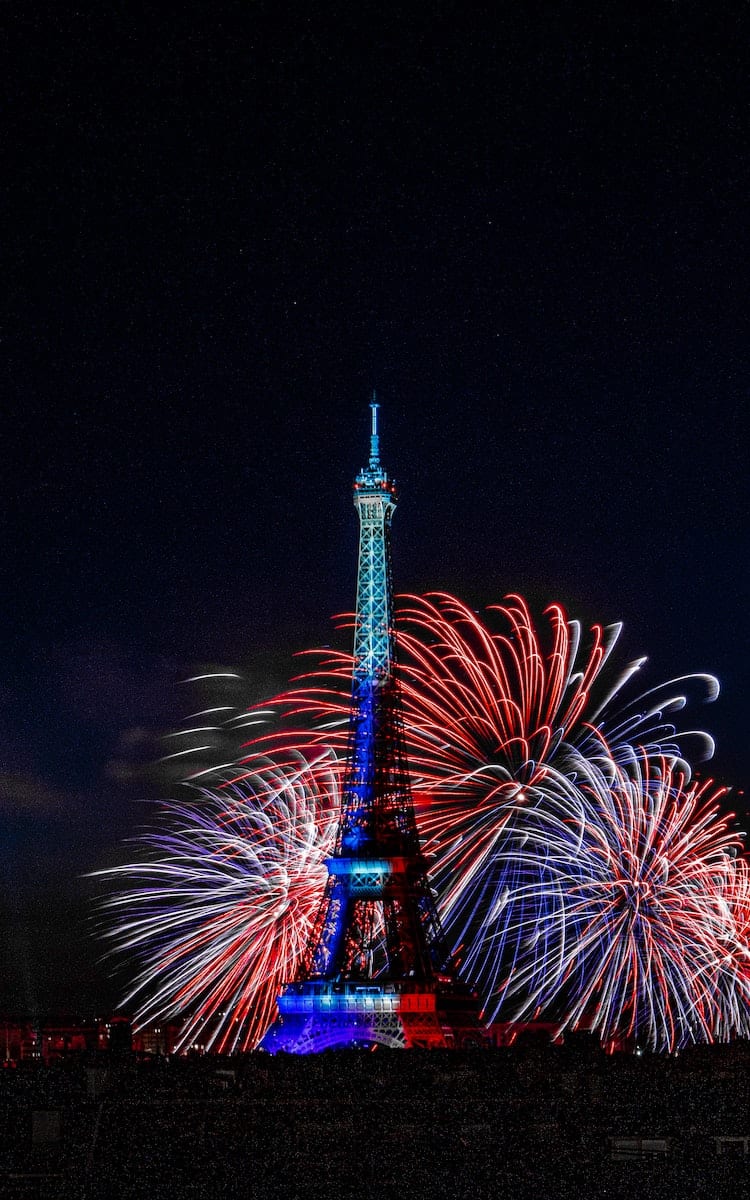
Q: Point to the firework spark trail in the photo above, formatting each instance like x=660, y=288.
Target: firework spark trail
x=735, y=957
x=223, y=906
x=641, y=942
x=481, y=704
x=651, y=896
x=511, y=699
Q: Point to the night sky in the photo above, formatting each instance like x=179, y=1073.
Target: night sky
x=222, y=226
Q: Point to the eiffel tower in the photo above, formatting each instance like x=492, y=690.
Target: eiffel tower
x=377, y=969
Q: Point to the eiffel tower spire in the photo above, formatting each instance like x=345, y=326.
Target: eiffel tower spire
x=377, y=967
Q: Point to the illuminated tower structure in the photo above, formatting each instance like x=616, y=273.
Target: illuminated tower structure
x=377, y=968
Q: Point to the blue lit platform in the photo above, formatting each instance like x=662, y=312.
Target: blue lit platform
x=322, y=1015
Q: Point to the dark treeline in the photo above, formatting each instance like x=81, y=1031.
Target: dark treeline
x=532, y=1120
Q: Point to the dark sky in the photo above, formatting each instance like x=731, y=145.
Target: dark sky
x=222, y=225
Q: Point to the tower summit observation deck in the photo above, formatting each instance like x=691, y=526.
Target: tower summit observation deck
x=377, y=968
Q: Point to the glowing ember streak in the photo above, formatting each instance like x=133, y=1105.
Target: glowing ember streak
x=643, y=940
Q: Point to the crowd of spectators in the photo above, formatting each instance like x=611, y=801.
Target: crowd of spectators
x=533, y=1119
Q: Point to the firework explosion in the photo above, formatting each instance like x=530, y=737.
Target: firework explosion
x=533, y=804
x=658, y=951
x=222, y=906
x=642, y=938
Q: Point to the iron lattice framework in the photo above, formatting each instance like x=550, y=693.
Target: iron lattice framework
x=377, y=968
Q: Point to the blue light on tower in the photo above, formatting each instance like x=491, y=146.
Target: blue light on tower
x=377, y=968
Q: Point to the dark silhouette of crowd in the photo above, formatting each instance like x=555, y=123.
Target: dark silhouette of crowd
x=536, y=1120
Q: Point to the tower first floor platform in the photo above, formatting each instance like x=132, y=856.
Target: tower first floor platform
x=317, y=1015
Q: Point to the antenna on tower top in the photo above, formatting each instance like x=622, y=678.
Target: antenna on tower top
x=374, y=439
